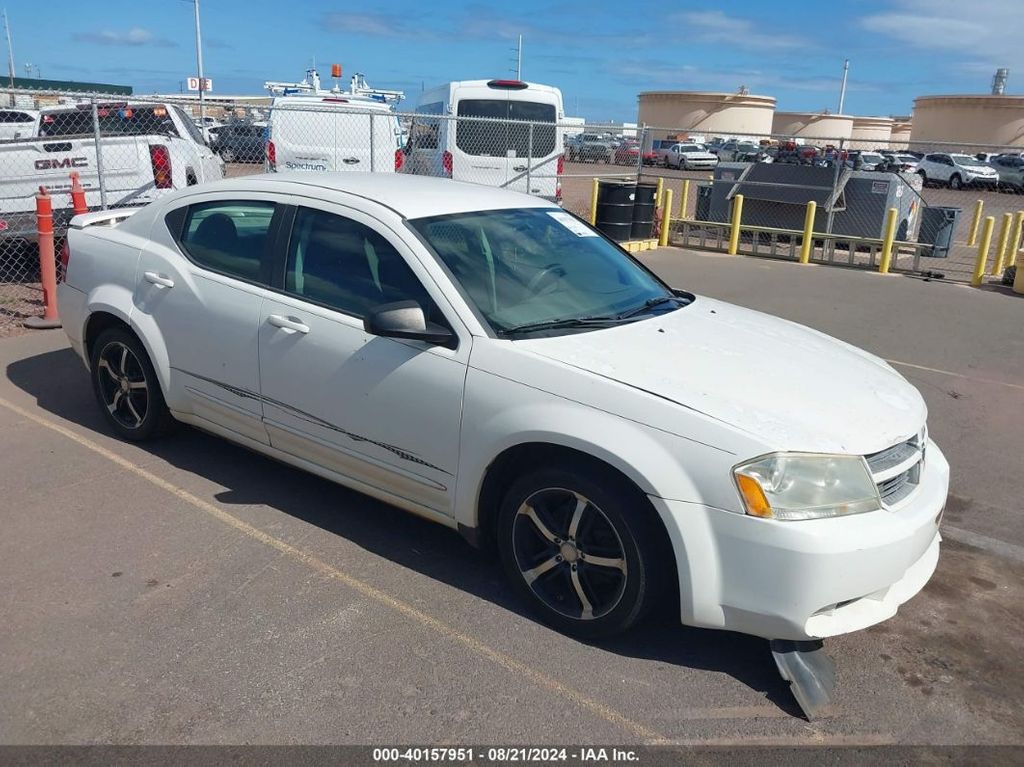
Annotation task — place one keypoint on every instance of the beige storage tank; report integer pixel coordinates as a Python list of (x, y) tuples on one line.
[(981, 121), (706, 114), (813, 127), (871, 133), (899, 137)]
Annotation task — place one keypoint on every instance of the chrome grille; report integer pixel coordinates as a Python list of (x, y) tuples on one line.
[(894, 489)]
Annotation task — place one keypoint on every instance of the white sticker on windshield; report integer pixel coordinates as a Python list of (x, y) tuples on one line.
[(575, 226)]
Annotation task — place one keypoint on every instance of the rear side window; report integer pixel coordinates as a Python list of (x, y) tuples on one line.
[(114, 120), (190, 127), (10, 116), (497, 139), (231, 237)]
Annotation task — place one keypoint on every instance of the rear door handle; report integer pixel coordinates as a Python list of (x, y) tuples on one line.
[(350, 160), (290, 324), (159, 279), (519, 168)]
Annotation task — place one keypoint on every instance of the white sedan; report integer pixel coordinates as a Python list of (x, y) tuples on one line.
[(488, 361), (690, 157)]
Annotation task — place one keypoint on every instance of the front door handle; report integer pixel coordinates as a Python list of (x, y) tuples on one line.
[(350, 160), (290, 324), (158, 279), (519, 168)]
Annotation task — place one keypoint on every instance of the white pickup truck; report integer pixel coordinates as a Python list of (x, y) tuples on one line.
[(146, 150)]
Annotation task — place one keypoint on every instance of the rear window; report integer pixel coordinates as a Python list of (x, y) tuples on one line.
[(113, 120), (495, 139)]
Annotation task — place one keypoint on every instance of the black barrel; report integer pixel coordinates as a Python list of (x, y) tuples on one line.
[(615, 208), (643, 212)]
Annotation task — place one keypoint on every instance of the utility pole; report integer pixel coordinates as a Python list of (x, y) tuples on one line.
[(199, 64), (519, 60), (842, 88), (10, 50)]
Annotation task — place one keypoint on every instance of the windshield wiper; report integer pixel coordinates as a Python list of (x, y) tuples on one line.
[(565, 322), (650, 303)]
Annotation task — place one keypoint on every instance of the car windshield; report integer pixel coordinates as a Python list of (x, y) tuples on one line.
[(527, 266), (871, 157), (966, 159), (906, 158), (690, 148)]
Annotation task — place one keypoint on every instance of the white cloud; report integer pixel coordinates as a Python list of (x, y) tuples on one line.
[(136, 36), (716, 27), (970, 38)]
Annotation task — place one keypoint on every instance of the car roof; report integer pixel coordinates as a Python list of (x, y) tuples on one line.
[(409, 196)]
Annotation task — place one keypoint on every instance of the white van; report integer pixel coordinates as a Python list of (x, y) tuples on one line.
[(332, 132), (490, 142)]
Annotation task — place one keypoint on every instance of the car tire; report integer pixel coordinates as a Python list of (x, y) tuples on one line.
[(924, 178), (126, 387), (955, 182), (684, 165), (227, 155), (555, 523)]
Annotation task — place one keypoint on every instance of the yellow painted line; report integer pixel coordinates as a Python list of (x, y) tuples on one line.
[(314, 563), (956, 375)]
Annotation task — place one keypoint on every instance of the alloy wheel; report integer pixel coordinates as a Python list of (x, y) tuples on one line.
[(569, 554), (123, 385)]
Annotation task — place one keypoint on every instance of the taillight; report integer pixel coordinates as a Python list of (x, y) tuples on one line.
[(65, 256), (271, 155), (446, 163), (561, 165), (161, 161), (399, 159)]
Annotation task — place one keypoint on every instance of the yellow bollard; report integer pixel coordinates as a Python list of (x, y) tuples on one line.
[(1004, 241), (986, 241), (972, 233), (1018, 229), (808, 243), (666, 218), (593, 202), (889, 234), (684, 198), (659, 190), (737, 216)]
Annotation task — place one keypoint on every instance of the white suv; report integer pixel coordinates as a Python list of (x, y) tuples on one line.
[(956, 170)]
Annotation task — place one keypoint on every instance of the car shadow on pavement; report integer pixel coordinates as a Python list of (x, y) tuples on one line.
[(60, 385)]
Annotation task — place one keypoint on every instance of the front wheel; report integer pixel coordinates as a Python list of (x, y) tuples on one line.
[(955, 182), (227, 155), (126, 387), (581, 550)]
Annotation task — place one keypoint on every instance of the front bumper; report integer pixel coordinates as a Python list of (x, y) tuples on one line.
[(809, 579)]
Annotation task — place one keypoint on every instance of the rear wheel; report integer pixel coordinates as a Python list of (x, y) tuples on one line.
[(126, 386), (582, 550), (924, 177), (227, 155)]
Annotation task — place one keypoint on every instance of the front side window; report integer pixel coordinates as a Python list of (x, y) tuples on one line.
[(345, 265), (230, 237), (535, 265)]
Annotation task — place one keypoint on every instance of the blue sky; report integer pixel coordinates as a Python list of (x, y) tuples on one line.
[(601, 54)]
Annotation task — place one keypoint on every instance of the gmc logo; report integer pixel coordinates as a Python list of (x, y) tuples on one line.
[(67, 162)]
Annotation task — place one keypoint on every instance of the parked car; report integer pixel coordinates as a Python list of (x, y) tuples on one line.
[(1010, 168), (861, 160), (527, 392), (733, 150), (148, 149), (18, 123), (590, 147), (797, 154), (901, 162), (956, 170), (628, 153), (986, 157), (240, 142), (690, 157)]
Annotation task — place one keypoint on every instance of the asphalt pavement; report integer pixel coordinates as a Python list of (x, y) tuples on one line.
[(189, 591)]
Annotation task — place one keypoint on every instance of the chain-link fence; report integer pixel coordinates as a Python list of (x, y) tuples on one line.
[(128, 151)]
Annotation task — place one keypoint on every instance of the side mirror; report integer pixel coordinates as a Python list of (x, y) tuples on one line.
[(405, 319)]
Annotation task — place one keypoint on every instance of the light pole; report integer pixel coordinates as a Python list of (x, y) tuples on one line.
[(199, 64)]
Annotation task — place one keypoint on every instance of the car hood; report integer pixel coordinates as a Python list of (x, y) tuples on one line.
[(699, 155), (787, 385)]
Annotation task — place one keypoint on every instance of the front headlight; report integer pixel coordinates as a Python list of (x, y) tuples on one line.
[(790, 486)]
